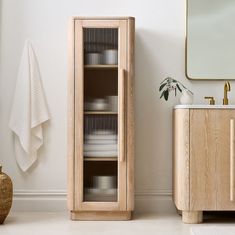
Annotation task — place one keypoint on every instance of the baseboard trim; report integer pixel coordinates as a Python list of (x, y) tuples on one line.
[(156, 201), (40, 193), (153, 193), (39, 200), (56, 200)]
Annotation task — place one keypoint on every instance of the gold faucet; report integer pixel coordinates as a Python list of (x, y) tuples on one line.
[(211, 99), (226, 89)]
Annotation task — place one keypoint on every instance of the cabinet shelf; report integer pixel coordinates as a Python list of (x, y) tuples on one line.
[(101, 66), (100, 113), (100, 158)]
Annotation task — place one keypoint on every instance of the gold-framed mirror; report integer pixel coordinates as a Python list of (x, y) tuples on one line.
[(210, 39)]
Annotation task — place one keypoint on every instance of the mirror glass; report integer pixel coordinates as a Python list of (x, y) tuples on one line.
[(210, 41)]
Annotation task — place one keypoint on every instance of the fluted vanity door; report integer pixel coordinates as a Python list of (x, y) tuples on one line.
[(212, 159), (203, 153), (225, 160)]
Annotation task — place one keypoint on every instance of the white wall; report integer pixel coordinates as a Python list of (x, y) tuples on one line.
[(160, 28)]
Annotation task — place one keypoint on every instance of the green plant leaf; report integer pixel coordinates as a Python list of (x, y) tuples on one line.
[(162, 94), (179, 87), (166, 94), (162, 86)]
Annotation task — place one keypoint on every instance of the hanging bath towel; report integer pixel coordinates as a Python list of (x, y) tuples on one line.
[(29, 110)]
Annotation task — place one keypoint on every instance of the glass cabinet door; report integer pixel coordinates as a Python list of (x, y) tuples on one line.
[(100, 143)]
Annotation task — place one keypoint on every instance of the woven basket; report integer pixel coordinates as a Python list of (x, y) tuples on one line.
[(6, 192)]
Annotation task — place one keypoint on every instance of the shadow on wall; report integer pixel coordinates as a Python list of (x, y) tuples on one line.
[(157, 56)]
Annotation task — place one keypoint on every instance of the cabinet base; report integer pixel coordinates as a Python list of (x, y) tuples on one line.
[(192, 217), (100, 215), (179, 212)]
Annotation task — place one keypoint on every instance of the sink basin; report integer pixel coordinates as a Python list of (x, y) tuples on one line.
[(204, 106)]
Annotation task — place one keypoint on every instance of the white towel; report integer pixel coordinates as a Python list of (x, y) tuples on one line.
[(29, 110)]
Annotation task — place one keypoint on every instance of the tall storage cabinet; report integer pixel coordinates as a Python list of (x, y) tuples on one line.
[(101, 118)]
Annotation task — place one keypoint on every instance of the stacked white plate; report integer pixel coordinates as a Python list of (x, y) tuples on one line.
[(101, 143)]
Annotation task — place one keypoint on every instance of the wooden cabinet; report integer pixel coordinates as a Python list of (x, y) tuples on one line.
[(101, 118), (203, 161)]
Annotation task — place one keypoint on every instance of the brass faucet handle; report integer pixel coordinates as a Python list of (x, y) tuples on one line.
[(211, 99), (227, 88)]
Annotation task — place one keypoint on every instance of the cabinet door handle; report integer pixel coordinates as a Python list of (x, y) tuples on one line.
[(121, 110), (232, 160)]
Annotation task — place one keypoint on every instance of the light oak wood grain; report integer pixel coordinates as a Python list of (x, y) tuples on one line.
[(101, 23), (181, 158), (122, 165), (100, 159), (223, 163), (100, 113), (211, 161), (232, 159), (130, 133), (71, 128), (122, 117), (101, 210), (192, 217), (108, 18), (203, 151), (79, 102), (101, 215)]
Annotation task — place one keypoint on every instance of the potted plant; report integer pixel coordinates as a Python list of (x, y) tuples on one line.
[(170, 84)]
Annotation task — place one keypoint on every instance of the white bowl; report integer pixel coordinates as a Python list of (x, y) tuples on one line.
[(104, 182), (93, 58), (96, 106), (110, 56)]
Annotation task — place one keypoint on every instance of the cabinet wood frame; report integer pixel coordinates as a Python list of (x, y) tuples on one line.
[(125, 203), (203, 161)]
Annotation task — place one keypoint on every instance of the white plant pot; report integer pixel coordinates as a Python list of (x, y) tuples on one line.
[(186, 97)]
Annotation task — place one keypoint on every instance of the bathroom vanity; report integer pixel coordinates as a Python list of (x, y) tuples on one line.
[(203, 159), (101, 118)]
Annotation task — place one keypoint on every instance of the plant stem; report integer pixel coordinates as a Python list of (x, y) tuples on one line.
[(185, 88)]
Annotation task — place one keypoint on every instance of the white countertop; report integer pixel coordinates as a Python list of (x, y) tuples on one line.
[(203, 106)]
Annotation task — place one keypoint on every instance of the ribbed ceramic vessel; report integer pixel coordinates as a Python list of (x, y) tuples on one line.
[(6, 193)]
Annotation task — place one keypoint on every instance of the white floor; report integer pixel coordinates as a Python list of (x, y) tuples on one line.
[(36, 223)]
